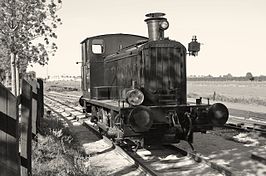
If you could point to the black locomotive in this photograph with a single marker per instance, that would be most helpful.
(135, 87)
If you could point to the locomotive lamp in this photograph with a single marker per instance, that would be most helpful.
(134, 97)
(193, 47)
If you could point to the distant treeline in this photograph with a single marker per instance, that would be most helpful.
(225, 78)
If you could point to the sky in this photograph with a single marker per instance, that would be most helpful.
(232, 32)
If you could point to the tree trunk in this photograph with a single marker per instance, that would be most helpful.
(7, 79)
(13, 73)
(17, 79)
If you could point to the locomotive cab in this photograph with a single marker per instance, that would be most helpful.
(94, 51)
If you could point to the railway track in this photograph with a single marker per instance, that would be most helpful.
(247, 125)
(153, 161)
(168, 160)
(242, 124)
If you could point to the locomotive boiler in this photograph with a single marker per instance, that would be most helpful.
(136, 89)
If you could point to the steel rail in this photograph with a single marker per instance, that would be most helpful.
(246, 128)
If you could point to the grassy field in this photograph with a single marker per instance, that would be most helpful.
(62, 86)
(248, 92)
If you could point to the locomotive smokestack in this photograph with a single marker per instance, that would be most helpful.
(156, 26)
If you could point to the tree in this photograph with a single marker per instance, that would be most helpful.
(4, 58)
(229, 75)
(4, 64)
(249, 76)
(27, 32)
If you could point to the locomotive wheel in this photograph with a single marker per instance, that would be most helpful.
(81, 101)
(186, 125)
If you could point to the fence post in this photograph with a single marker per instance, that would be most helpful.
(9, 138)
(34, 115)
(26, 130)
(40, 104)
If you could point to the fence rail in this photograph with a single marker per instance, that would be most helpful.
(16, 131)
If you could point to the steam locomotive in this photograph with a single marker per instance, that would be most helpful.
(136, 89)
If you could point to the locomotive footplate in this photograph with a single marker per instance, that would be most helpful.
(155, 125)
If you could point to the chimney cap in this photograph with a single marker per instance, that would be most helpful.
(155, 15)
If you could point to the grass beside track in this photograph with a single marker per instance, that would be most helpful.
(245, 92)
(57, 152)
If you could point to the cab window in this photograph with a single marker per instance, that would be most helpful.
(97, 46)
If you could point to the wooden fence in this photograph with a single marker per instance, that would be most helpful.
(18, 125)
